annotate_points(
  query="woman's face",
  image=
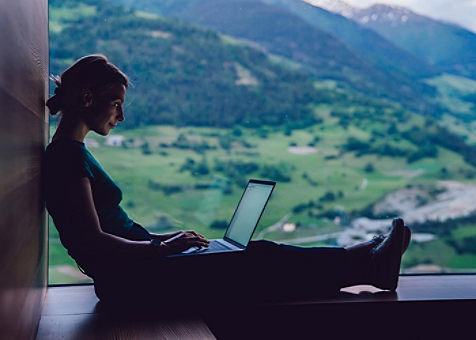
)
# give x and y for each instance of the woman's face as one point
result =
(106, 109)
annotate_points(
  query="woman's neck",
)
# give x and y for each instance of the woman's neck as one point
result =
(71, 128)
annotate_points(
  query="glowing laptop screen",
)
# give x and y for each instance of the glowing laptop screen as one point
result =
(248, 213)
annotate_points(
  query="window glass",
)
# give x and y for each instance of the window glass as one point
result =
(359, 114)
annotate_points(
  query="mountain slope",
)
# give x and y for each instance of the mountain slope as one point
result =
(280, 32)
(448, 46)
(365, 41)
(183, 75)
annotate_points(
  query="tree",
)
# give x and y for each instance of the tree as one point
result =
(146, 149)
(219, 224)
(369, 168)
(328, 197)
(237, 132)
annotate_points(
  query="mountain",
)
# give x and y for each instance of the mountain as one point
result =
(182, 74)
(335, 6)
(447, 46)
(279, 31)
(162, 7)
(369, 44)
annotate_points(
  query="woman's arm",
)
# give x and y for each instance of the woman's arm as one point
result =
(85, 222)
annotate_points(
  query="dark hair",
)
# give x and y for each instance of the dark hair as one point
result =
(93, 72)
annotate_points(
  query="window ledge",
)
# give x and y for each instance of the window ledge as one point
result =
(424, 304)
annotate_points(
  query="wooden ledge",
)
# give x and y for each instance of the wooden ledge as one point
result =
(71, 312)
(429, 304)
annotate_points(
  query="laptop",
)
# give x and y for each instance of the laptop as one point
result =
(243, 223)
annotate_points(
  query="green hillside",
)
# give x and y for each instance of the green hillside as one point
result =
(282, 32)
(183, 75)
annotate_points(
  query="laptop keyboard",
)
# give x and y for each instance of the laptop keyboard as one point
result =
(217, 246)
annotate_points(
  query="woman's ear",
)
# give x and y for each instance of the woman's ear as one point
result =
(86, 98)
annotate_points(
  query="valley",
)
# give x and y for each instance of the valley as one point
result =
(323, 197)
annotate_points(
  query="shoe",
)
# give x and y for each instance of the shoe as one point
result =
(386, 257)
(377, 239)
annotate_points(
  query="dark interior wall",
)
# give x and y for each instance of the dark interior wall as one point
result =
(23, 133)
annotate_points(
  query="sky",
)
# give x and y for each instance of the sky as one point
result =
(462, 12)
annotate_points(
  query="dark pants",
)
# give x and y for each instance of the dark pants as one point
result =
(265, 271)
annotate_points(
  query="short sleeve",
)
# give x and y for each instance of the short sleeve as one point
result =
(63, 164)
(78, 166)
(66, 164)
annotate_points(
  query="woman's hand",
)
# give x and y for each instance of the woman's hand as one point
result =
(184, 240)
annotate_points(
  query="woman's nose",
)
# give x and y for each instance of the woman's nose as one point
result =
(121, 116)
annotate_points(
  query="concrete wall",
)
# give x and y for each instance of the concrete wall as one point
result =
(23, 122)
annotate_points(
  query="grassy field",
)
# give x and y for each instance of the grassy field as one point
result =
(451, 89)
(132, 169)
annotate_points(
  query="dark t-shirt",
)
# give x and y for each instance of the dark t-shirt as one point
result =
(67, 161)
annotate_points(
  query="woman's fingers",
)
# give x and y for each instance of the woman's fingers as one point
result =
(198, 241)
(187, 239)
(194, 233)
(190, 241)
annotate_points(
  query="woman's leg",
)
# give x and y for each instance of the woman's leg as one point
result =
(266, 270)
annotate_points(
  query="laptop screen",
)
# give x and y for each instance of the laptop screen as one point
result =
(249, 211)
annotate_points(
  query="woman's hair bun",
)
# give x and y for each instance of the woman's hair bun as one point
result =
(54, 103)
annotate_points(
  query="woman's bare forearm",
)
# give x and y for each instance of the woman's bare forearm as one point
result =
(127, 248)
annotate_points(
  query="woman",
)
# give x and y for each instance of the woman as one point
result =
(126, 261)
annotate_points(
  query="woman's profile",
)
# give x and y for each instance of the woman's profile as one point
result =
(127, 262)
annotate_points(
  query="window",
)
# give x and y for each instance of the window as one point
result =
(359, 117)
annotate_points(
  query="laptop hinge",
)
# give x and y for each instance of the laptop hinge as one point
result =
(236, 244)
